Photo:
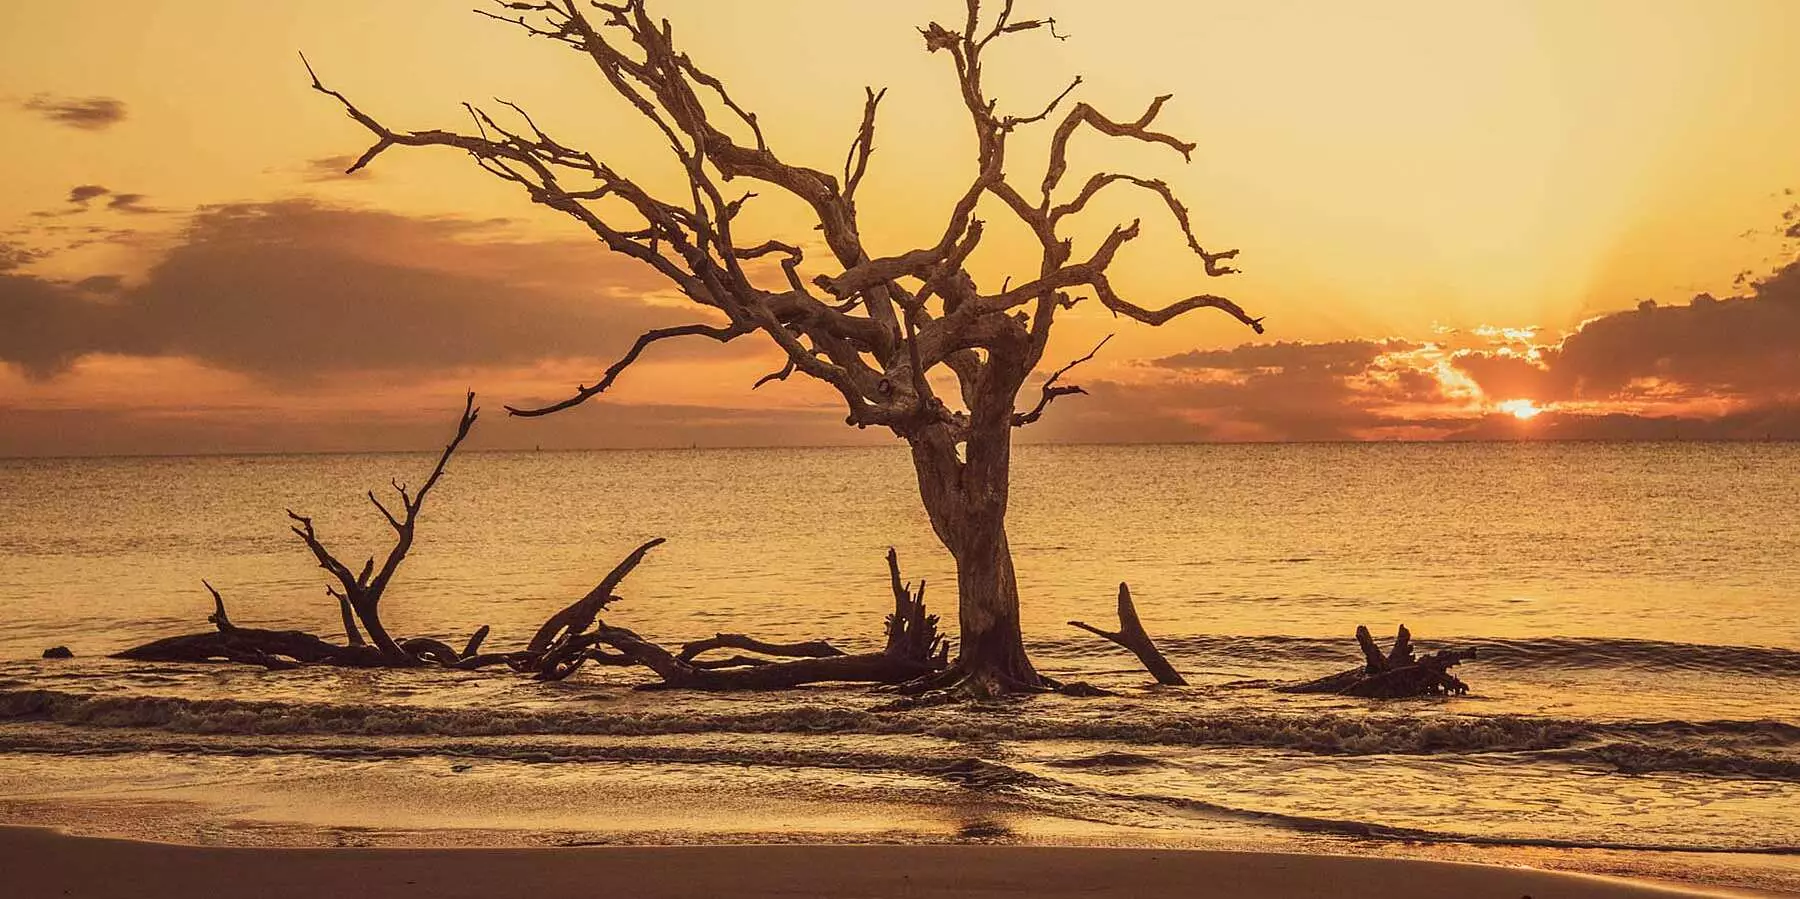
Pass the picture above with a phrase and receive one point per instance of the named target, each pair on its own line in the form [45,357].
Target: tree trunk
[966,501]
[987,592]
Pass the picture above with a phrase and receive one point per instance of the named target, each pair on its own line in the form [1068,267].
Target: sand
[42,863]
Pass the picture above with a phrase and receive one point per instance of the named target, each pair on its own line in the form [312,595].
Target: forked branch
[1132,636]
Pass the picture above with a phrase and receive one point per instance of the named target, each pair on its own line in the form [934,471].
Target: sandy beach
[42,863]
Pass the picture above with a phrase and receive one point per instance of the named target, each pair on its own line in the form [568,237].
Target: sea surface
[1635,703]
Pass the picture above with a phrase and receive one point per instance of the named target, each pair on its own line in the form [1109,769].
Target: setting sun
[1523,410]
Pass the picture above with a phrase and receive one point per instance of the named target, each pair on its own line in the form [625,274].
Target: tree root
[959,684]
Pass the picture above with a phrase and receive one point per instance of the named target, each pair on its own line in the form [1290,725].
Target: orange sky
[1399,176]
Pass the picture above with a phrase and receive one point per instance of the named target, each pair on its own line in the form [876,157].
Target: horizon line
[8,457]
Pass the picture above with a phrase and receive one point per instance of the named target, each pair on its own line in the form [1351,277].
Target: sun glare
[1523,410]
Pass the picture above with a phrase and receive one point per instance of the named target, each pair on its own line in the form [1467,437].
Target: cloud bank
[301,318]
[290,291]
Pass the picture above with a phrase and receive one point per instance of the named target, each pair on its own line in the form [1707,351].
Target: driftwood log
[913,649]
[1397,674]
[359,602]
[1132,636]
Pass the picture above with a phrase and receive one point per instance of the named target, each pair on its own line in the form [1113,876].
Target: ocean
[1635,702]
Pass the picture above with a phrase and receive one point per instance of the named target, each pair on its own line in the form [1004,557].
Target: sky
[1472,220]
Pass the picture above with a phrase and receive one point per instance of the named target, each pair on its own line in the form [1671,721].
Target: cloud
[1744,349]
[293,306]
[290,291]
[80,194]
[1708,369]
[1337,390]
[1335,356]
[118,201]
[84,113]
[1777,421]
[28,431]
[14,256]
[332,168]
[131,203]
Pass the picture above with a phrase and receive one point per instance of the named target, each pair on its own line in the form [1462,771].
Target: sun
[1523,410]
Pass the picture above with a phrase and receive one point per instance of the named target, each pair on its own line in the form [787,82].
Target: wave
[1768,750]
[1367,830]
[958,749]
[1334,734]
[1614,653]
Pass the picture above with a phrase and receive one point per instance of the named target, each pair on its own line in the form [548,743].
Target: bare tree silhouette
[873,327]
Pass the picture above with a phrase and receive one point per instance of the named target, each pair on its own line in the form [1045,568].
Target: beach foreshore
[44,863]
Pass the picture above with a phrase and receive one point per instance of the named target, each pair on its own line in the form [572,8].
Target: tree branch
[720,333]
[1052,390]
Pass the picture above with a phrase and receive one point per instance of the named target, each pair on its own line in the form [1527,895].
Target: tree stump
[1396,674]
[1132,636]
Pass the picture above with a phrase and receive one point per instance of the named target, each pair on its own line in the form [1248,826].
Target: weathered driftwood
[1132,636]
[1396,674]
[358,596]
[913,648]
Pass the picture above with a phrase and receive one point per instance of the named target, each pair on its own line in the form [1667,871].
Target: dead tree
[1132,636]
[872,325]
[1397,674]
[358,596]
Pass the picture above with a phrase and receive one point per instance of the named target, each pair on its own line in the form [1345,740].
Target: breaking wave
[1563,653]
[1768,750]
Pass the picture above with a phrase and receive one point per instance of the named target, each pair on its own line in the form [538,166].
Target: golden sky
[1412,185]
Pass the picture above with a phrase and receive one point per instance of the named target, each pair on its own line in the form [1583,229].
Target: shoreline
[47,862]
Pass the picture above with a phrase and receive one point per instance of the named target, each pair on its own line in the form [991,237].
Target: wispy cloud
[332,168]
[84,113]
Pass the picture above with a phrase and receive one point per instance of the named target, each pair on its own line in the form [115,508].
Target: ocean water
[1635,704]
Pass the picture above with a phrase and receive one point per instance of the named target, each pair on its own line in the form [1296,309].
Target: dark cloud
[80,194]
[333,168]
[1335,356]
[292,290]
[1746,348]
[85,113]
[27,431]
[118,201]
[131,203]
[1338,390]
[14,256]
[104,285]
[1773,421]
[1709,369]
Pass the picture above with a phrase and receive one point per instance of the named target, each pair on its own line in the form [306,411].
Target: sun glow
[1523,410]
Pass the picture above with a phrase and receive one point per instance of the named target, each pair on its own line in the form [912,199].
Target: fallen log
[808,649]
[358,596]
[1396,674]
[913,648]
[1132,636]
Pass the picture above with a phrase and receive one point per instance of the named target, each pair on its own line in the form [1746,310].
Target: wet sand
[42,863]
